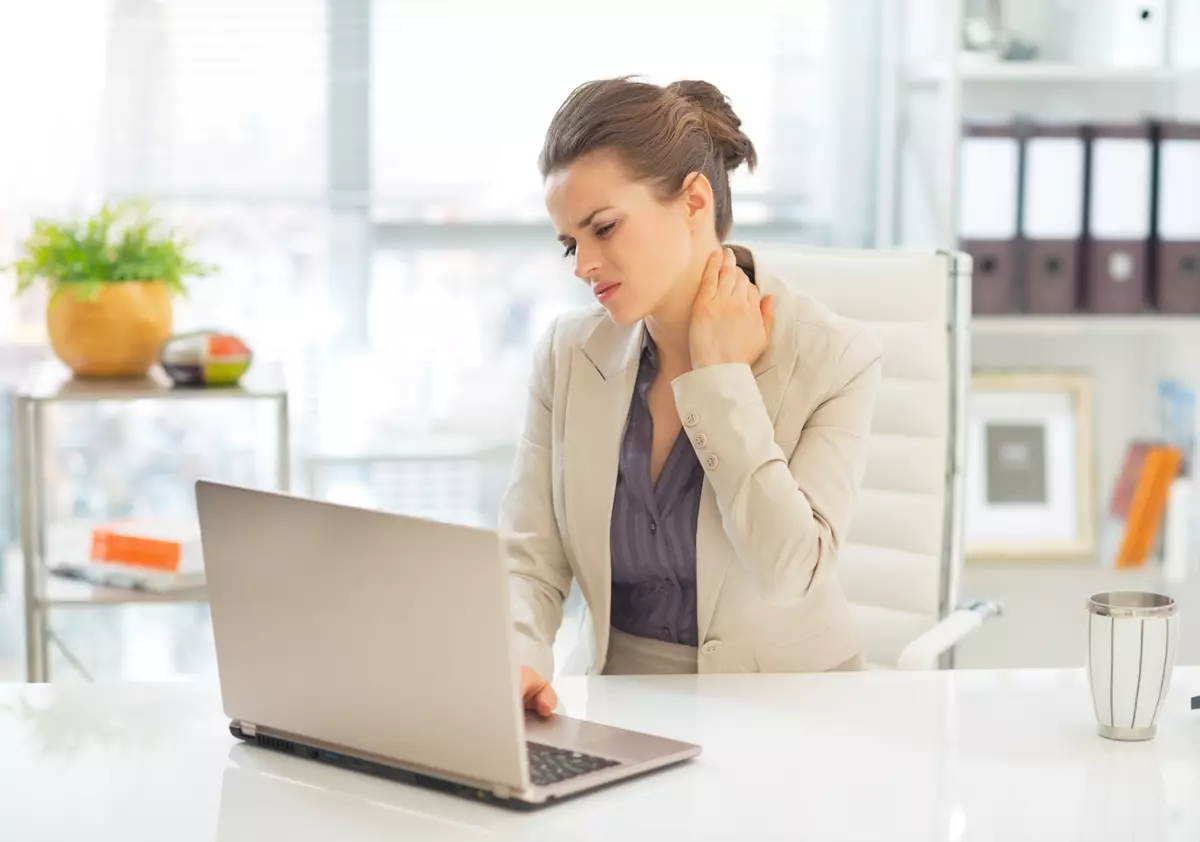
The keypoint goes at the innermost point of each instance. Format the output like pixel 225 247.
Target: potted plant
pixel 112 277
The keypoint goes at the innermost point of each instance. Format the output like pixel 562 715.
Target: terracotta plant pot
pixel 116 334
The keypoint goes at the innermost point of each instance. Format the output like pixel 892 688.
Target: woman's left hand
pixel 731 320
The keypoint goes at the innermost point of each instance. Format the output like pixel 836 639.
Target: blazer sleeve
pixel 784 517
pixel 538 572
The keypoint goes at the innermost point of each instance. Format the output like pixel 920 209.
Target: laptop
pixel 382 643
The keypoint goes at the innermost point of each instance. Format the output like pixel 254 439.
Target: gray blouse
pixel 653 529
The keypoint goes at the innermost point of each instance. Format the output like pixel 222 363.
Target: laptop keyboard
pixel 549 765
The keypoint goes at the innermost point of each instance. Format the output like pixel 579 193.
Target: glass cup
pixel 1132 639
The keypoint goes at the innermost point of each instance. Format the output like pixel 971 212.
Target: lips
pixel 604 290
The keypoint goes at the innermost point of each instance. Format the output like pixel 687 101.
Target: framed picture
pixel 1028 486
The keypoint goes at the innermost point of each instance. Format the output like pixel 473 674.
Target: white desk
pixel 870 756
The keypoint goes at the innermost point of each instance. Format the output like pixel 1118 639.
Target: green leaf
pixel 118 243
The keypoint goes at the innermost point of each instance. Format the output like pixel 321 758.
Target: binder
pixel 1120 33
pixel 1176 219
pixel 988 207
pixel 1183 48
pixel 1052 204
pixel 1118 210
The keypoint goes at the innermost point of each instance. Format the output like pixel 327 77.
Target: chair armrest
pixel 924 651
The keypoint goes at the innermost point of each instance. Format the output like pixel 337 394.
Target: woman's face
pixel 630 247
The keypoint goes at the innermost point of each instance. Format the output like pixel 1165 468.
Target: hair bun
pixel 723 125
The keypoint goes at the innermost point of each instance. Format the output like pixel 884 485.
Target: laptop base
pixel 406 776
pixel 381 770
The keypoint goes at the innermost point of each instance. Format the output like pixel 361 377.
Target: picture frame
pixel 1029 489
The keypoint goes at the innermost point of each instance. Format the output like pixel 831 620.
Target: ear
pixel 697 199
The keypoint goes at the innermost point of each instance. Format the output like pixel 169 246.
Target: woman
pixel 693 445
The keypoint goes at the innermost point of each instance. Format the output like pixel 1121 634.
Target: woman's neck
pixel 669 330
pixel 670 323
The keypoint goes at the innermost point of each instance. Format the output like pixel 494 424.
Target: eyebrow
pixel 562 238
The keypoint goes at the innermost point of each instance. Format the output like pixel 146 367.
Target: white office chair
pixel 900 562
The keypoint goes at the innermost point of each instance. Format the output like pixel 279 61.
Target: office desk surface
pixel 1000 755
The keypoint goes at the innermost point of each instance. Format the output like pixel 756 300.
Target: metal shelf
pixel 51 383
pixel 65 592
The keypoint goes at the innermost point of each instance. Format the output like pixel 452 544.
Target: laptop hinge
pixel 248 728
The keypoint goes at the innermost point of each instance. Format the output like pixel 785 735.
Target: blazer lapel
pixel 772 372
pixel 603 372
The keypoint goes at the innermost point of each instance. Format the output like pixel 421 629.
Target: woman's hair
pixel 660 134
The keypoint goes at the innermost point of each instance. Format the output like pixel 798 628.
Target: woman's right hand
pixel 536 692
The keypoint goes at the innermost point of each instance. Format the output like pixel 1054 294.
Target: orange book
pixel 1147 504
pixel 129 544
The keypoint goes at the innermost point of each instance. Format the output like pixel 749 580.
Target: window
pixel 465 272
pixel 465 147
pixel 215 110
pixel 364 171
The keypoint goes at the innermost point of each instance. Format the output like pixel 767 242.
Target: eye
pixel 601 232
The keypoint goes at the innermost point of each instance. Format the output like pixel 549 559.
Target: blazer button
pixel 712 461
pixel 711 648
pixel 700 440
pixel 692 419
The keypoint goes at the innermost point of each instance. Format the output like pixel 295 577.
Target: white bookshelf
pixel 1086 326
pixel 1042 72
pixel 936 88
pixel 932 87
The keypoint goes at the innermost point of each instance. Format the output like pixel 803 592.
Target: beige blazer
pixel 783 445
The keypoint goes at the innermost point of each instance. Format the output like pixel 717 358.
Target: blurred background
pixel 363 173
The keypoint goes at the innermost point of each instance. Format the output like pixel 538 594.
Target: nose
pixel 587 262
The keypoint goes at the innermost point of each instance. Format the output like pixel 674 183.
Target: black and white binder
pixel 1176 235
pixel 1052 205
pixel 988 212
pixel 1120 163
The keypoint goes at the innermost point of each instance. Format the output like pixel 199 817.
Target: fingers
pixel 727 281
pixel 754 294
pixel 710 279
pixel 746 291
pixel 546 701
pixel 767 306
pixel 536 693
pixel 723 278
